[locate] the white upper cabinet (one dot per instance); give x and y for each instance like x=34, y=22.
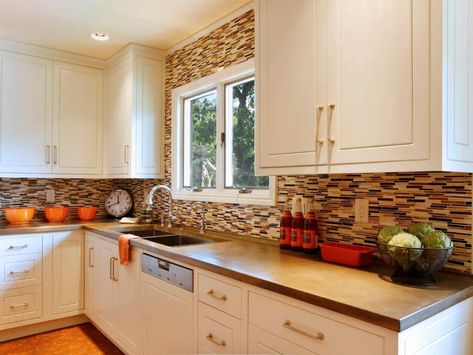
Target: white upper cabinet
x=134, y=113
x=26, y=113
x=286, y=92
x=392, y=86
x=51, y=113
x=458, y=82
x=378, y=80
x=77, y=119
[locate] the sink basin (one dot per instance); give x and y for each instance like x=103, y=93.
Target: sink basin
x=164, y=237
x=175, y=240
x=143, y=233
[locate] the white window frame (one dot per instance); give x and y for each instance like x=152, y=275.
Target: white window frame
x=218, y=80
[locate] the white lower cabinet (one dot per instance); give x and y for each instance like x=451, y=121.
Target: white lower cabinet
x=68, y=271
x=112, y=292
x=167, y=318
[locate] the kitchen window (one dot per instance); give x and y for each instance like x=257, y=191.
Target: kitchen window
x=214, y=140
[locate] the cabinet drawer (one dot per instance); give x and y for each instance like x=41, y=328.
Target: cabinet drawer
x=261, y=342
x=221, y=295
x=21, y=245
x=21, y=271
x=219, y=333
x=21, y=304
x=310, y=330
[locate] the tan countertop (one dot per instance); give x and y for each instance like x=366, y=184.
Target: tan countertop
x=367, y=294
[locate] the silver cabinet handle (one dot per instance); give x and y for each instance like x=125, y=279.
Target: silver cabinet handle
x=318, y=140
x=331, y=139
x=55, y=154
x=127, y=148
x=19, y=305
x=113, y=269
x=48, y=154
x=216, y=342
x=14, y=247
x=90, y=257
x=110, y=268
x=18, y=272
x=212, y=294
x=319, y=336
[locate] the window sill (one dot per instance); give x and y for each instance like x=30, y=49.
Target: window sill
x=259, y=198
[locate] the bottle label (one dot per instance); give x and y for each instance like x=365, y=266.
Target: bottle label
x=285, y=235
x=310, y=239
x=297, y=236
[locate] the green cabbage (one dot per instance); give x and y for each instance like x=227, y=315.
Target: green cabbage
x=387, y=233
x=405, y=240
x=436, y=239
x=420, y=229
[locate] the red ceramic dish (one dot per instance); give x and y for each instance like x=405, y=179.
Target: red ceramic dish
x=56, y=214
x=87, y=213
x=347, y=254
x=19, y=215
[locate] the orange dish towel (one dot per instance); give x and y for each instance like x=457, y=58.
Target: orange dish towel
x=124, y=247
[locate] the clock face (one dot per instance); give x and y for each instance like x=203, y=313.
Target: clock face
x=119, y=203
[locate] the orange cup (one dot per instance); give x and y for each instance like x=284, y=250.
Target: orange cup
x=19, y=215
x=87, y=213
x=56, y=214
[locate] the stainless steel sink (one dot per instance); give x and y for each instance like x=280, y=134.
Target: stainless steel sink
x=164, y=237
x=176, y=240
x=143, y=233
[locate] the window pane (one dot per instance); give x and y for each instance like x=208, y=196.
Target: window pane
x=200, y=140
x=240, y=136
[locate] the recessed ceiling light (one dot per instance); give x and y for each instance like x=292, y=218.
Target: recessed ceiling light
x=99, y=36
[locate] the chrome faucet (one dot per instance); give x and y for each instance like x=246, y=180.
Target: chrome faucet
x=203, y=213
x=149, y=203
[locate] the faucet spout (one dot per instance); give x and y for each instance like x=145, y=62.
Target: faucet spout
x=149, y=201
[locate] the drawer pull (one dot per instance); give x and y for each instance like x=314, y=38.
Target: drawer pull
x=20, y=305
x=15, y=247
x=18, y=272
x=212, y=294
x=287, y=324
x=216, y=342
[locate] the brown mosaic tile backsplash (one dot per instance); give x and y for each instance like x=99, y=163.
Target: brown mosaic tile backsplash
x=443, y=199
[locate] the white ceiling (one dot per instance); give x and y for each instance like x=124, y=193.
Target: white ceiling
x=66, y=24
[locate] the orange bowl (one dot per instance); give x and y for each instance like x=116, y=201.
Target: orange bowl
x=87, y=213
x=56, y=214
x=19, y=215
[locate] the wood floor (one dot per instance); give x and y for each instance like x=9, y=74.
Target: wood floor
x=81, y=339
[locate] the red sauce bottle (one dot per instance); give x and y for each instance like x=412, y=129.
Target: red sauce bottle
x=285, y=227
x=311, y=238
x=297, y=232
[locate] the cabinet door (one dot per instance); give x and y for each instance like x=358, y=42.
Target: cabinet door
x=261, y=342
x=119, y=115
x=26, y=113
x=148, y=125
x=90, y=282
x=77, y=119
x=287, y=115
x=127, y=311
x=378, y=80
x=68, y=271
x=166, y=317
x=458, y=61
x=105, y=287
